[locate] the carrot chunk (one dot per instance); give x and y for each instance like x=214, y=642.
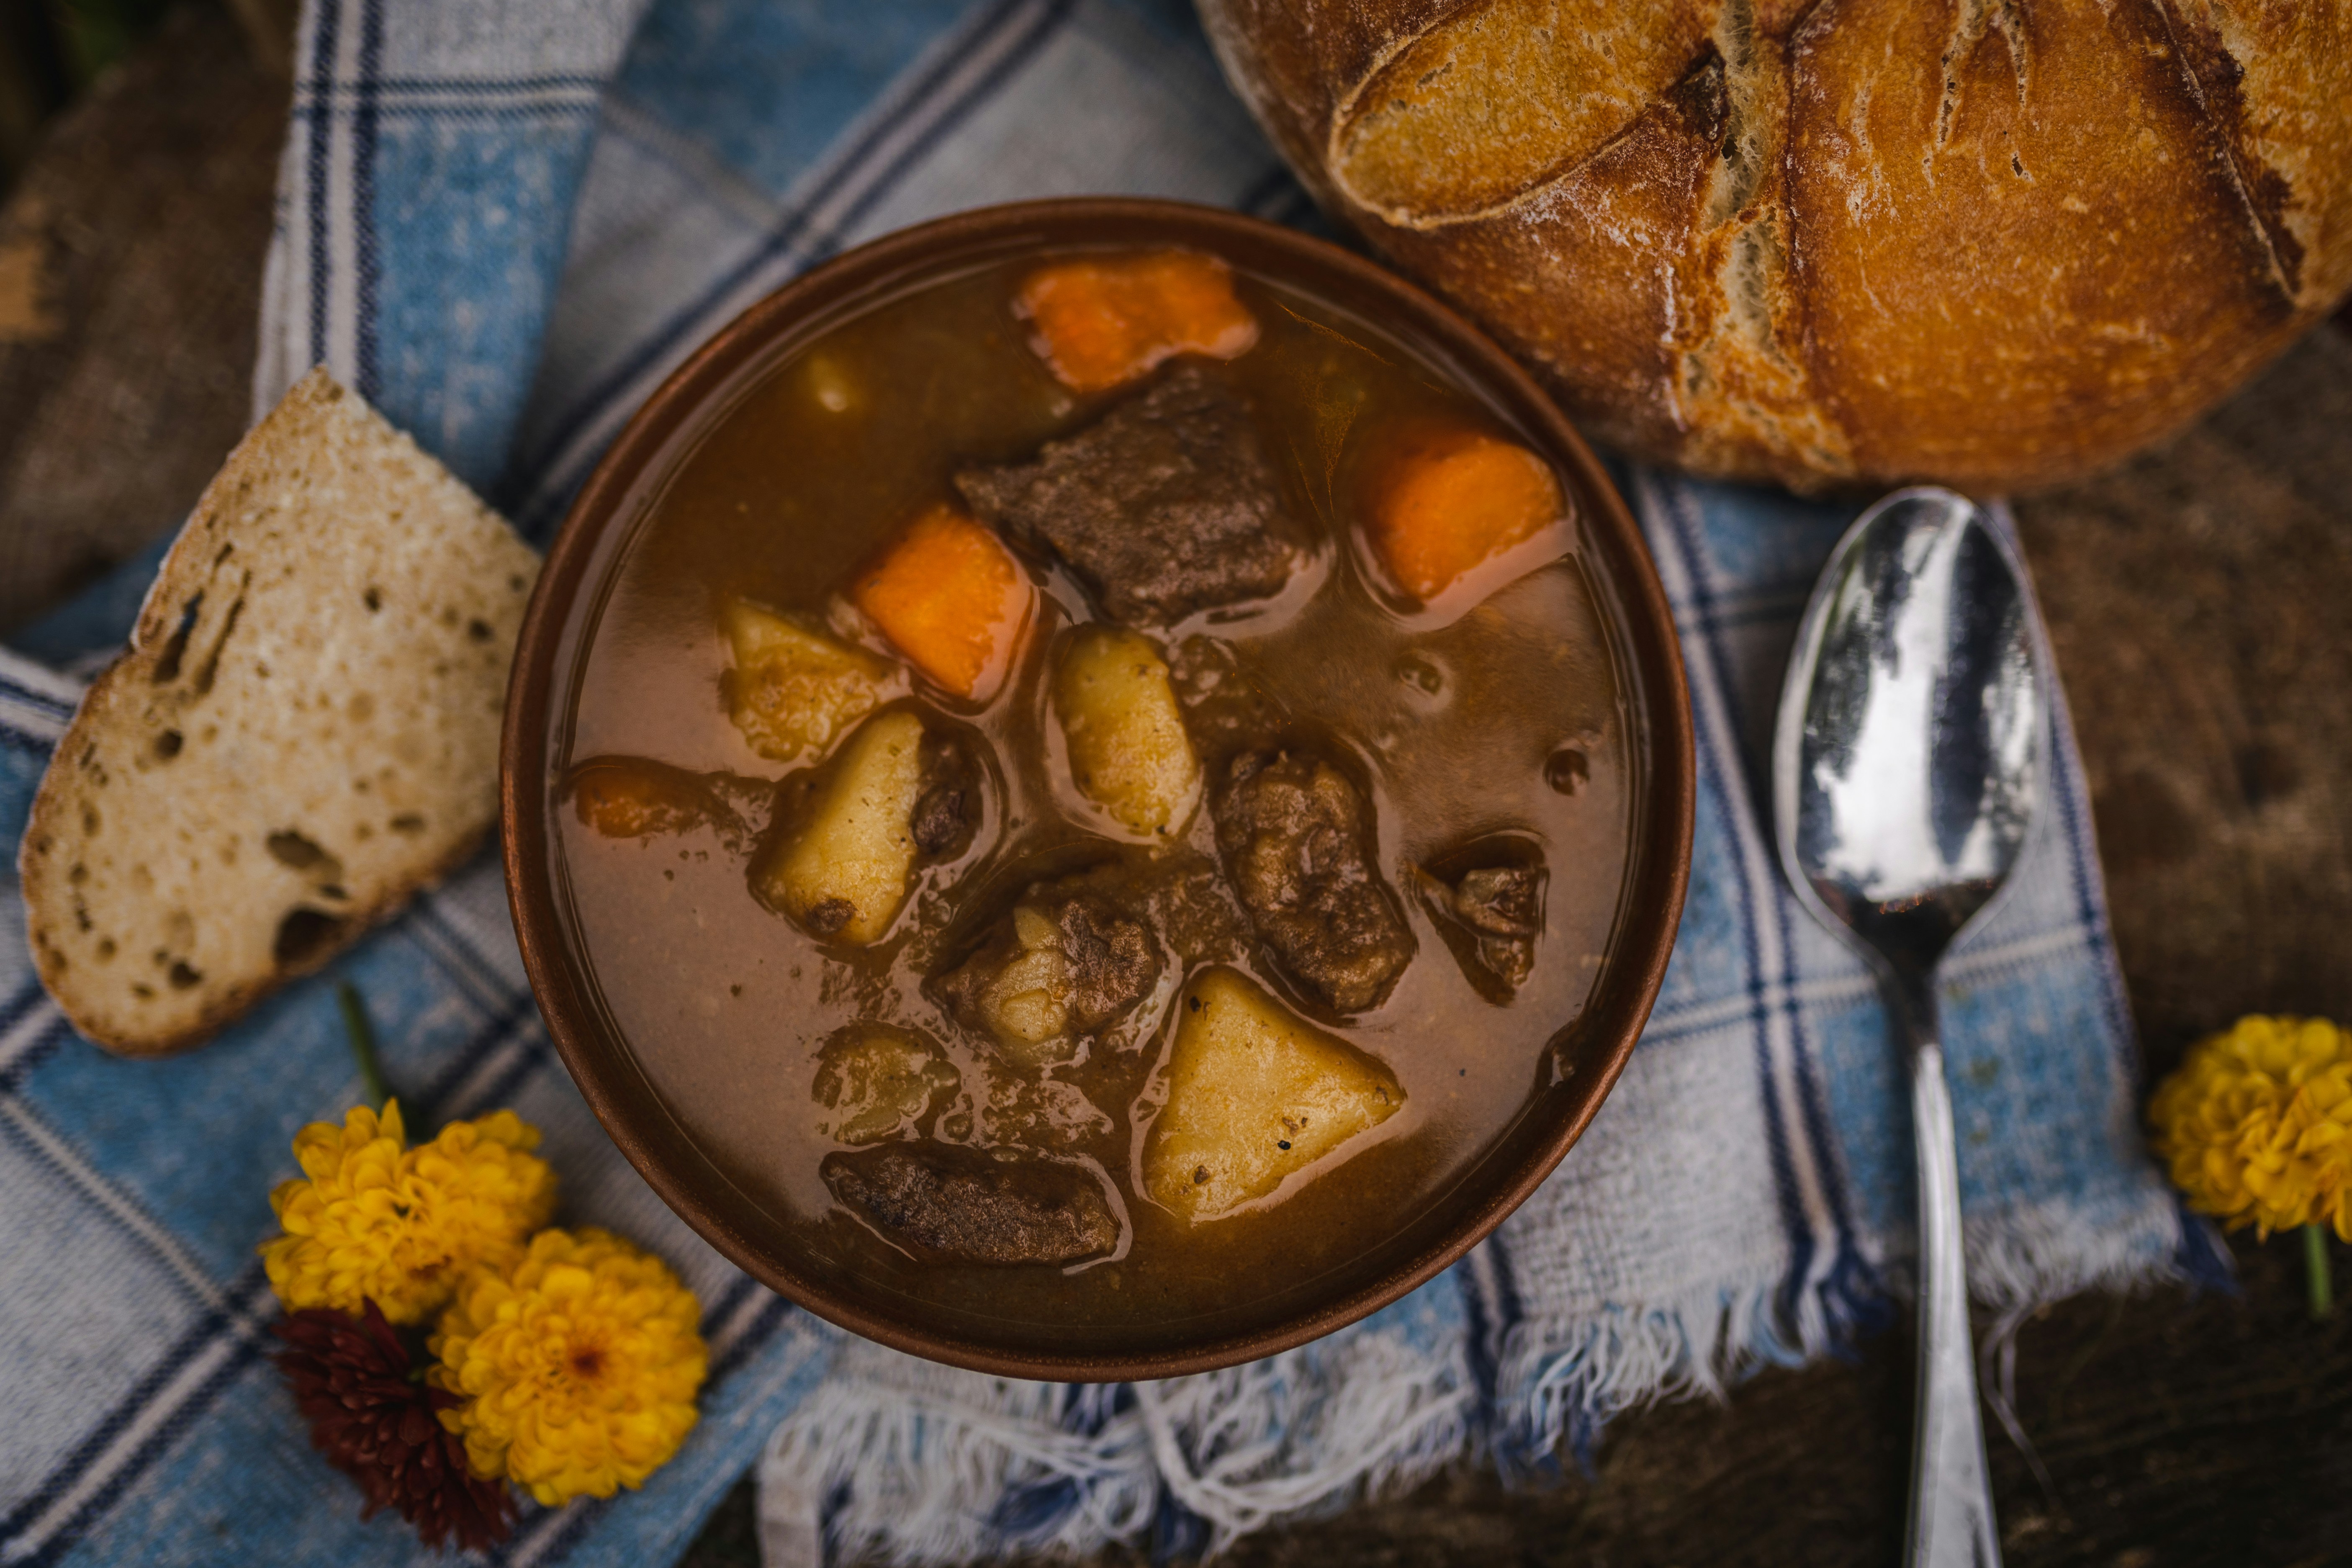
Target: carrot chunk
x=1107, y=319
x=625, y=798
x=1453, y=500
x=949, y=595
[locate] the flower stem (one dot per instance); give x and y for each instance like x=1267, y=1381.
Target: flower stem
x=2315, y=1267
x=362, y=1039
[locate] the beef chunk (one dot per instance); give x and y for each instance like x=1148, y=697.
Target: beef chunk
x=1065, y=964
x=1490, y=917
x=1297, y=841
x=938, y=819
x=1194, y=913
x=1501, y=900
x=1113, y=962
x=951, y=1204
x=941, y=823
x=1164, y=506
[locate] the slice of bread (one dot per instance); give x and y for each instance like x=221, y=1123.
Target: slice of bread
x=302, y=733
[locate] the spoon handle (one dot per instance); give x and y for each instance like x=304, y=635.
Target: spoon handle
x=1951, y=1519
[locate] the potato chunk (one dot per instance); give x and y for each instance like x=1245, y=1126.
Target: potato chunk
x=1027, y=1005
x=842, y=873
x=949, y=597
x=1065, y=966
x=1451, y=499
x=1129, y=751
x=1254, y=1094
x=1104, y=320
x=875, y=1081
x=794, y=689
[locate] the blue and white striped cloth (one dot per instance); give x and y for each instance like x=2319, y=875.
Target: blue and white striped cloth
x=503, y=221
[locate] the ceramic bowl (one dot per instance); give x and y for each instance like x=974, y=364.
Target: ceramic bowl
x=1590, y=1054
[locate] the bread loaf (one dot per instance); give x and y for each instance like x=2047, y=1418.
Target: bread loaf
x=304, y=732
x=1839, y=243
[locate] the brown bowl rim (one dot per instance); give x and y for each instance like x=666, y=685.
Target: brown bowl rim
x=1641, y=946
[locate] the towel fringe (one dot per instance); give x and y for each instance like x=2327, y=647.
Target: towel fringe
x=2025, y=1258
x=1701, y=1344
x=895, y=1460
x=2030, y=1258
x=1705, y=1343
x=902, y=1461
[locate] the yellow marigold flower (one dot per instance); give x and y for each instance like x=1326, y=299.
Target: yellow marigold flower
x=578, y=1365
x=372, y=1219
x=2257, y=1124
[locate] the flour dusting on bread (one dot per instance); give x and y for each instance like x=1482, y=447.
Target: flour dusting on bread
x=303, y=732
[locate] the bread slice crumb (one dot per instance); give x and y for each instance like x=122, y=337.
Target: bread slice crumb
x=303, y=732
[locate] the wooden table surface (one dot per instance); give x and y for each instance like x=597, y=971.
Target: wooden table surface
x=2199, y=598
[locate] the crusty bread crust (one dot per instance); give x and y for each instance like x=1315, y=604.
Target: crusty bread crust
x=302, y=733
x=1839, y=243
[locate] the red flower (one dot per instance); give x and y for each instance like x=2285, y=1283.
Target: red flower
x=373, y=1419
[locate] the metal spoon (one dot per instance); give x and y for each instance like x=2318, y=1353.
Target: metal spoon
x=1906, y=765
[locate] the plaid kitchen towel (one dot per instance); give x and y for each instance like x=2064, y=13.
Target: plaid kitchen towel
x=504, y=221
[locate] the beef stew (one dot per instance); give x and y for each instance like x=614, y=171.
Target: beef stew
x=958, y=738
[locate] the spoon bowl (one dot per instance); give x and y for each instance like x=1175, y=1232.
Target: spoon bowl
x=1908, y=757
x=1908, y=763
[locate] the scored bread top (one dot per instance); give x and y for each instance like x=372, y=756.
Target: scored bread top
x=1840, y=245
x=302, y=733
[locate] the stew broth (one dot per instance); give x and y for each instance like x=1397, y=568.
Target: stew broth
x=1486, y=728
